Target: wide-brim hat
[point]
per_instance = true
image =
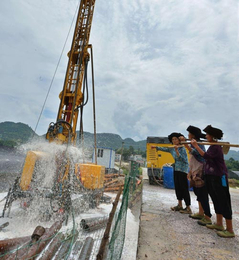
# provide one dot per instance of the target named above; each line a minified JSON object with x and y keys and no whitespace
{"x":174,"y":134}
{"x":196,"y":132}
{"x":215,"y":132}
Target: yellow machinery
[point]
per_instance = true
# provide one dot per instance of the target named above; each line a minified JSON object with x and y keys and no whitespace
{"x":156,"y":159}
{"x":73,"y":98}
{"x":74,"y":95}
{"x":28,"y":169}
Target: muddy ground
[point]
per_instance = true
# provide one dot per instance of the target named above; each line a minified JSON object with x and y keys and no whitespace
{"x":165,"y":234}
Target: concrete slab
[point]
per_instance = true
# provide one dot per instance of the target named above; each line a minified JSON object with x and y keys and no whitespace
{"x":165,"y":234}
{"x":145,"y":174}
{"x":132,"y":232}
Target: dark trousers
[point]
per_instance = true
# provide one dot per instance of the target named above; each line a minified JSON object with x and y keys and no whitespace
{"x":202,"y":197}
{"x":220,"y":196}
{"x":181,"y":187}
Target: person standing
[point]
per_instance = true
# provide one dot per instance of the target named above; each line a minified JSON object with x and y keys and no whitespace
{"x":195,"y":176}
{"x":180,"y":172}
{"x":216,"y":176}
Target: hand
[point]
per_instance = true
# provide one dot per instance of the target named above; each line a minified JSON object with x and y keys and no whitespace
{"x":194,"y":142}
{"x":153,"y":146}
{"x":176,"y":147}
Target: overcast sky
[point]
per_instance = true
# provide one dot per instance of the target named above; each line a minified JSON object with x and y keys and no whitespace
{"x":160,"y":65}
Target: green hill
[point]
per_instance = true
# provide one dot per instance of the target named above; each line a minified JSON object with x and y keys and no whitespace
{"x":112,"y":141}
{"x":232,"y":154}
{"x":12,"y":134}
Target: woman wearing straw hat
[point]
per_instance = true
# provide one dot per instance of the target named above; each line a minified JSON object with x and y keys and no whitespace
{"x":216,"y":177}
{"x":180,"y":173}
{"x":195,"y":177}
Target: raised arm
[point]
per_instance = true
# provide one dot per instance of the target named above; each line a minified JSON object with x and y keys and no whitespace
{"x":182,"y":138}
{"x":197,"y":147}
{"x":163,"y":149}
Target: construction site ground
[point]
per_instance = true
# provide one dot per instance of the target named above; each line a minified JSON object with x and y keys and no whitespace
{"x":165,"y":234}
{"x":153,"y":231}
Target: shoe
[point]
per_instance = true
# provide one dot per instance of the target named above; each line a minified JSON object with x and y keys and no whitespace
{"x":225,"y":234}
{"x":196,"y":216}
{"x":176,"y":208}
{"x":215,"y":226}
{"x":204,"y":222}
{"x":185,"y":211}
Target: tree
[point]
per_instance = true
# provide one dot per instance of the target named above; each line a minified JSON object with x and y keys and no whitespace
{"x":232,"y":164}
{"x":131,"y":150}
{"x":126,"y":154}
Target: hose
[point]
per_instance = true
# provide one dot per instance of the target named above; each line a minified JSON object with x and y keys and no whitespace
{"x":152,"y":168}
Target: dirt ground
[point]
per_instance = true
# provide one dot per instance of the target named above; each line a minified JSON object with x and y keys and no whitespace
{"x":165,"y":234}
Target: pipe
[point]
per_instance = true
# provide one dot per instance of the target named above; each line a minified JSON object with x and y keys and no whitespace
{"x":87,"y":249}
{"x":53,"y":247}
{"x":91,"y":224}
{"x":45,"y":239}
{"x":105,"y":239}
{"x":66,"y":246}
{"x":77,"y":247}
{"x":37,"y":233}
{"x":93,"y":96}
{"x":4,"y":225}
{"x":63,"y":249}
{"x":10,"y":244}
{"x":214,"y":143}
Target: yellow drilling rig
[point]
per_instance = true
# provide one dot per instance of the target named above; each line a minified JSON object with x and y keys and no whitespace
{"x":73,"y":98}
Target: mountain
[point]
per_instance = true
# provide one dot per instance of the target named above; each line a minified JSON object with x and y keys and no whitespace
{"x":114,"y":141}
{"x":232,"y":154}
{"x":12,"y":134}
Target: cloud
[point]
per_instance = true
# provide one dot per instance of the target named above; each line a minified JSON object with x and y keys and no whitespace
{"x":159,"y":65}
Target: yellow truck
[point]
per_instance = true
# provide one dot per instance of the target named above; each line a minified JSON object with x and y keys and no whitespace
{"x":156,"y":159}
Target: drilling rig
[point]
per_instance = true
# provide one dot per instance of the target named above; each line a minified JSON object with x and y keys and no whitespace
{"x":73,"y":98}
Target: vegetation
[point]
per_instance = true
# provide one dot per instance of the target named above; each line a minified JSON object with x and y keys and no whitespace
{"x":12,"y":134}
{"x":8,"y":143}
{"x":232,"y":154}
{"x":140,"y":171}
{"x":114,"y":141}
{"x":125,"y":171}
{"x":131,"y":151}
{"x":233,"y":183}
{"x":232,"y":164}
